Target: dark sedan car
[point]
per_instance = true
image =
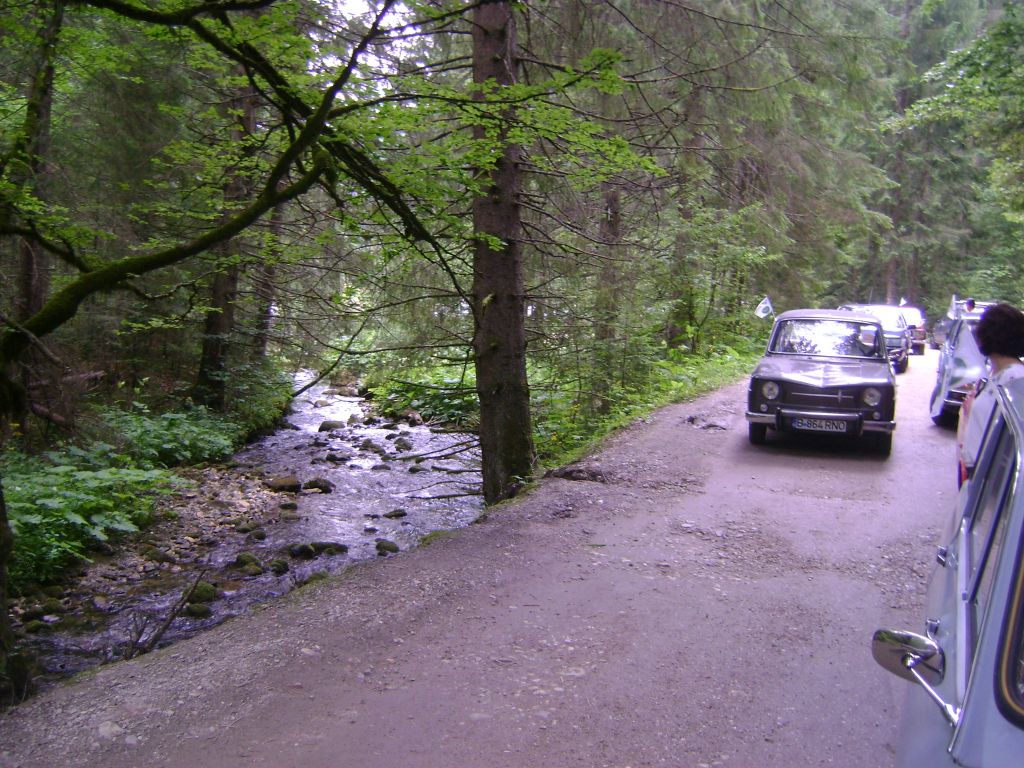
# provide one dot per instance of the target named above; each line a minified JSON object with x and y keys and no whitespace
{"x":898,"y":340}
{"x":825,"y":371}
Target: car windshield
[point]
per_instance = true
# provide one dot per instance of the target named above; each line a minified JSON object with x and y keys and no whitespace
{"x":835,"y":338}
{"x":891,"y":317}
{"x":913,"y":316}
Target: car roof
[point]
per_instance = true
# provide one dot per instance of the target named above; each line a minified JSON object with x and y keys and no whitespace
{"x":827,"y":314}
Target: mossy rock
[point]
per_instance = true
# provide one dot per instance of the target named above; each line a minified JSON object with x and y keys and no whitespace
{"x":386,"y":547}
{"x":395,"y":514}
{"x":302,"y":551}
{"x":258,"y":534}
{"x":244,"y":559}
{"x":246,"y":526}
{"x":203,"y":592}
{"x":156,"y":554}
{"x":288,"y":505}
{"x":329,"y":547}
{"x":253,"y":569}
{"x":37,"y":627}
{"x":198,"y":610}
{"x":279,"y":567}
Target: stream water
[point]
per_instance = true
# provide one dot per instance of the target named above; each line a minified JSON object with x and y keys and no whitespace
{"x":370,"y":488}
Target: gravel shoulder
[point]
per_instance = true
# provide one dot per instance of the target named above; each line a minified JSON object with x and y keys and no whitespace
{"x":694,"y":602}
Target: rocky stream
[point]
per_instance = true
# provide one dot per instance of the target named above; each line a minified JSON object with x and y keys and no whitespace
{"x":333,"y":487}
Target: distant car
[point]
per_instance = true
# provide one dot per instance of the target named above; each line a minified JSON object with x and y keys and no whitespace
{"x":897,"y":332}
{"x":969,"y":658}
{"x":825,"y":371}
{"x":957,"y":308}
{"x":918,"y":329}
{"x":960,"y":366}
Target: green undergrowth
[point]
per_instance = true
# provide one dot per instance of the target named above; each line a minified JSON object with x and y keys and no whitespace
{"x":67,"y":503}
{"x":564,"y":430}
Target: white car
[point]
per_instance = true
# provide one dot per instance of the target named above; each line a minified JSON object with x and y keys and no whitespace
{"x":969,"y":661}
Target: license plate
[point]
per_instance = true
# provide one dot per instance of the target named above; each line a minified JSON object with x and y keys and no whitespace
{"x":820,"y":425}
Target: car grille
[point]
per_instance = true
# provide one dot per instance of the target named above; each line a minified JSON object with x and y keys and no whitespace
{"x":839,"y":399}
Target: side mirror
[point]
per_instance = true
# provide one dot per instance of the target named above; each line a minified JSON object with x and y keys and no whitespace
{"x":904,"y":653}
{"x":915,"y":658}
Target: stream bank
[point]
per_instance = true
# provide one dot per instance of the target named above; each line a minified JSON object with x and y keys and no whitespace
{"x":333,"y":487}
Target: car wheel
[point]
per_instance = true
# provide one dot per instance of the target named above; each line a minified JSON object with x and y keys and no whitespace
{"x":758,"y":433}
{"x":946,"y":418}
{"x":902,"y":365}
{"x":883,"y":443}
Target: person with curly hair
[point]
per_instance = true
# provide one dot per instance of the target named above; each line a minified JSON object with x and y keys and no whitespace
{"x":1000,"y":337}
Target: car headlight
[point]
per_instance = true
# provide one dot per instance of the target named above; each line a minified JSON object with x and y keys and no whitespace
{"x":770,"y":390}
{"x":871,"y":397}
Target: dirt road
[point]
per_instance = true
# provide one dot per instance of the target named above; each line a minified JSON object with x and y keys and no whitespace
{"x":696,"y":602}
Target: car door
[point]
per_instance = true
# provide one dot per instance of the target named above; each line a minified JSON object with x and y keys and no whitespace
{"x":964,"y":617}
{"x":990,"y":733}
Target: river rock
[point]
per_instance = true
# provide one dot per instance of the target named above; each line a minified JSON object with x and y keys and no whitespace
{"x":286,"y":483}
{"x":340,"y":455}
{"x":386,"y":547}
{"x":382,"y":467}
{"x":329,"y":547}
{"x":369,"y":445}
{"x":330,"y":426}
{"x":198,"y":610}
{"x":203,"y":592}
{"x":302,"y":551}
{"x":319,"y":484}
{"x":413,"y":417}
{"x":403,"y":444}
{"x":394,"y":514}
{"x":156,"y":554}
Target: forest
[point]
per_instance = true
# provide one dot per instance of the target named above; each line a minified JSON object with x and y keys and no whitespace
{"x":535,"y":220}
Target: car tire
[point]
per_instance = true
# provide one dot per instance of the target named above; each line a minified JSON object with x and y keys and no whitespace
{"x":758,"y":433}
{"x":902,"y":366}
{"x":946,"y":418}
{"x":883,"y":443}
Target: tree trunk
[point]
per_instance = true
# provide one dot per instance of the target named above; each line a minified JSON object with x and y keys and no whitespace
{"x":265,"y":292}
{"x":211,"y":380}
{"x":606,"y":301}
{"x":499,"y":341}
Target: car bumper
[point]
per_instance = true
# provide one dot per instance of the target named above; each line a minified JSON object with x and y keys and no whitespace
{"x":781,"y":417}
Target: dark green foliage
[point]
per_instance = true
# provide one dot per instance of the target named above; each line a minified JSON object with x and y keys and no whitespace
{"x":435,"y":397}
{"x":64,"y":504}
{"x":171,"y":439}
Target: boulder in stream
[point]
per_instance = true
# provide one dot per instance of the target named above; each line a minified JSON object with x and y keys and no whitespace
{"x":331,"y":426}
{"x":287,"y":483}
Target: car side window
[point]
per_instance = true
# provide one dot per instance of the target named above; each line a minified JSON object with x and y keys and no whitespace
{"x":1011,"y":682}
{"x":986,"y":529}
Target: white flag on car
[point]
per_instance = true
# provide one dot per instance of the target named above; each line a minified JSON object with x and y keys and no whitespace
{"x":764,"y":308}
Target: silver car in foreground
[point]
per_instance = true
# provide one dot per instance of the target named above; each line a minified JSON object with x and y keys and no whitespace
{"x":969,"y":661}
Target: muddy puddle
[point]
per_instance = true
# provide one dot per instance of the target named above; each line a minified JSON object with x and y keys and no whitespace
{"x":347,"y":489}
